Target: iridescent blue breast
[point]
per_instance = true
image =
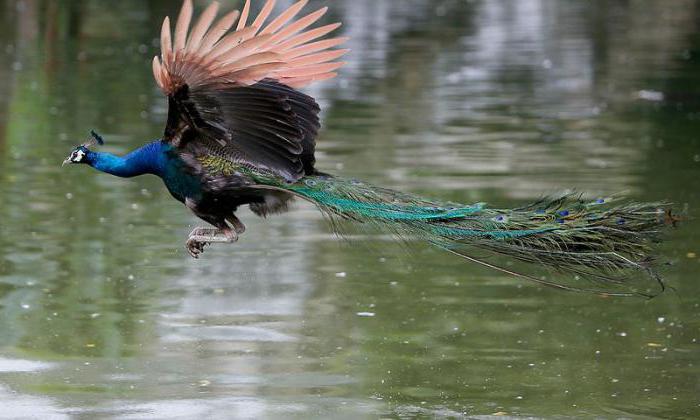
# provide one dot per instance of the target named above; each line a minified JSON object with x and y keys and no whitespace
{"x":177,"y":179}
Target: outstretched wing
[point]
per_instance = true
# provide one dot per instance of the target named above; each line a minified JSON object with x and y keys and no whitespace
{"x":233,"y":93}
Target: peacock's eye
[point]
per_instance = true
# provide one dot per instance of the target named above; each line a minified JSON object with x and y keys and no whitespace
{"x":77,"y":156}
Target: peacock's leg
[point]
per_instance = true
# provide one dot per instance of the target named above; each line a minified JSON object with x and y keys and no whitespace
{"x":200,"y":237}
{"x":237,"y":225}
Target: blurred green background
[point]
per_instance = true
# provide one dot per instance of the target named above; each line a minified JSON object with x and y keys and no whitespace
{"x":103,"y":314}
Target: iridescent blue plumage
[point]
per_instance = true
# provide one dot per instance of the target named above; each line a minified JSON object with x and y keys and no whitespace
{"x":149,"y":159}
{"x":155,"y":158}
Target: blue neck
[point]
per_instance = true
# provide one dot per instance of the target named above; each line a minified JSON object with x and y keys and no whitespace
{"x":149,"y":159}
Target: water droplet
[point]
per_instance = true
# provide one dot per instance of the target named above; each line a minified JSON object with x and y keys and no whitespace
{"x":365,"y":314}
{"x":342,"y":274}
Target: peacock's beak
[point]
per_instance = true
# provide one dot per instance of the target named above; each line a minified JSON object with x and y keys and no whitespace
{"x":66,"y":162}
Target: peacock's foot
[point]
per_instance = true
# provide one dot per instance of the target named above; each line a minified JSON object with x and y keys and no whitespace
{"x":201,"y":237}
{"x":194,"y":247}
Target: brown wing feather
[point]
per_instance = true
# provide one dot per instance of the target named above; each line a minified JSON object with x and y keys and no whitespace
{"x":233,"y":91}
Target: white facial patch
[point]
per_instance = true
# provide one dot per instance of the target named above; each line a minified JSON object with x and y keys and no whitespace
{"x":78,"y":156}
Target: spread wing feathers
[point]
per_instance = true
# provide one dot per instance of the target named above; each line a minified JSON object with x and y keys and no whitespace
{"x":282,"y":50}
{"x":233,"y":91}
{"x":265,"y":126}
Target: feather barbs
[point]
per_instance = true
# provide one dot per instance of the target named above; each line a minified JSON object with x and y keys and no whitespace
{"x":210,"y":52}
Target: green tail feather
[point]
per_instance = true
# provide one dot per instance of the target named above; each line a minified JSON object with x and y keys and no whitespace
{"x":599,"y":241}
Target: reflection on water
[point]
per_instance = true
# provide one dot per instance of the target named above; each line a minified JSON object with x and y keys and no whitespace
{"x":103,"y":314}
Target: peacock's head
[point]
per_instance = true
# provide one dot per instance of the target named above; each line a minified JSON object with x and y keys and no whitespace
{"x":80,"y":153}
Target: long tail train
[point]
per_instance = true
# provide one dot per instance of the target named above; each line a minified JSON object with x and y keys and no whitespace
{"x":605,"y":242}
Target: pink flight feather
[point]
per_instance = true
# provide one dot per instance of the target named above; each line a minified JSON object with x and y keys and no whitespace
{"x":264,"y":13}
{"x":202,"y":26}
{"x":283,"y":50}
{"x":218,"y":31}
{"x":183,"y":24}
{"x":244,"y":16}
{"x":285,"y":17}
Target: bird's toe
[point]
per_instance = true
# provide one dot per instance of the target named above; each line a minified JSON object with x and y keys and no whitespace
{"x":195,"y":248}
{"x":231,"y":235}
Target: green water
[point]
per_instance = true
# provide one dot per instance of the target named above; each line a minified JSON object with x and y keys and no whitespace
{"x":103,"y":314}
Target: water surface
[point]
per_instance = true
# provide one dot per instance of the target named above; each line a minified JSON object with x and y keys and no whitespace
{"x":103,"y":314}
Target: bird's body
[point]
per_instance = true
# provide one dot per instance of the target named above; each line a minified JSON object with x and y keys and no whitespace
{"x":161,"y":159}
{"x":239,"y":132}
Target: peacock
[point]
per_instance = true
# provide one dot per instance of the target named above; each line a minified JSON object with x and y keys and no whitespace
{"x":240,"y":132}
